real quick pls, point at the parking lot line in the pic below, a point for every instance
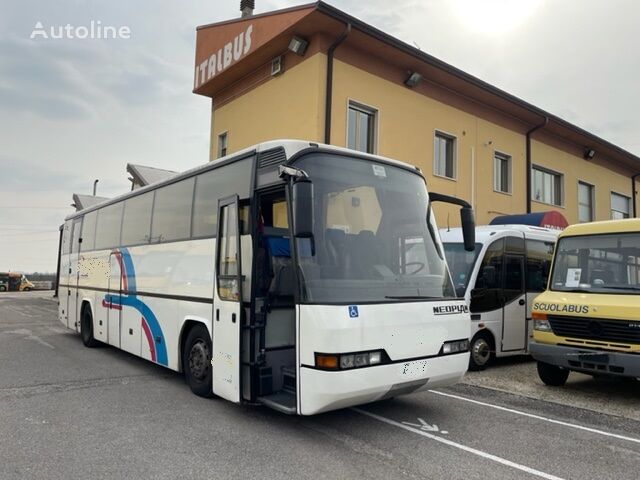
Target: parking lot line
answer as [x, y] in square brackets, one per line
[538, 417]
[460, 446]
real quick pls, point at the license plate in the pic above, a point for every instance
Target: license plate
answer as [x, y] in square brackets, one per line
[594, 357]
[414, 369]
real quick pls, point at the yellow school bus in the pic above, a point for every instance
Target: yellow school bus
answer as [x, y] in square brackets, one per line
[588, 319]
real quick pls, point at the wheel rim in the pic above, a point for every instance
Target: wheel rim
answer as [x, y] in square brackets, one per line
[481, 351]
[199, 358]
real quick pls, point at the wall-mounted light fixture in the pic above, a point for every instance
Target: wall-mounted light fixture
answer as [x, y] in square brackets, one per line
[276, 66]
[298, 45]
[589, 153]
[413, 79]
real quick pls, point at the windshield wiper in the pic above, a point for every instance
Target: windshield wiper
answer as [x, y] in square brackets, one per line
[621, 287]
[400, 297]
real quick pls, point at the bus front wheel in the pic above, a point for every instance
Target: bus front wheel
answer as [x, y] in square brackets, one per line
[196, 361]
[480, 351]
[86, 329]
[552, 375]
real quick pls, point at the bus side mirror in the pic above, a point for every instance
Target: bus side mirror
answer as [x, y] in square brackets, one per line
[302, 208]
[468, 228]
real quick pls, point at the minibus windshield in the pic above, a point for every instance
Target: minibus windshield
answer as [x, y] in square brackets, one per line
[371, 240]
[460, 264]
[598, 264]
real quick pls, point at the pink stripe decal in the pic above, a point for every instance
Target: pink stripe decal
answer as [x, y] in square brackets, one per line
[147, 333]
[111, 306]
[123, 273]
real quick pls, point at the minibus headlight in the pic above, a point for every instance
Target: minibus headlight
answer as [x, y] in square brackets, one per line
[540, 322]
[541, 325]
[457, 346]
[347, 361]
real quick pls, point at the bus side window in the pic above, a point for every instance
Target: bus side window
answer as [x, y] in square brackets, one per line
[539, 256]
[487, 291]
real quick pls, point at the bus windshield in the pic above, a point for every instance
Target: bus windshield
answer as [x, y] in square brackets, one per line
[371, 242]
[598, 264]
[460, 264]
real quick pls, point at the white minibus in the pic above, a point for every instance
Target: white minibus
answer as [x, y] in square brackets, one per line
[499, 280]
[300, 276]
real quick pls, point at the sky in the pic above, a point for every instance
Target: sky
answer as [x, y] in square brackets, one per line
[75, 110]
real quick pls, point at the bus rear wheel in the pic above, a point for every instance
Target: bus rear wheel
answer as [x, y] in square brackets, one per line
[86, 329]
[480, 351]
[196, 361]
[552, 375]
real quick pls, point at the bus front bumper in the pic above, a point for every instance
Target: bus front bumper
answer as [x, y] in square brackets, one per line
[604, 362]
[322, 391]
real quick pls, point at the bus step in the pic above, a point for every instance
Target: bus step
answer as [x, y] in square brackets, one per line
[289, 379]
[284, 402]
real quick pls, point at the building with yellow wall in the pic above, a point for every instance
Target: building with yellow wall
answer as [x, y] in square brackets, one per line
[313, 72]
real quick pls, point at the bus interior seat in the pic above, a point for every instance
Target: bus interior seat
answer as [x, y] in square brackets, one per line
[336, 245]
[363, 253]
[280, 322]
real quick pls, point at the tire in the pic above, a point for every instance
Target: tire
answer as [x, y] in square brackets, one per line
[480, 351]
[552, 375]
[3, 288]
[86, 329]
[28, 289]
[196, 361]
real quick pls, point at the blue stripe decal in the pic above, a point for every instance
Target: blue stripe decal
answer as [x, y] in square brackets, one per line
[152, 321]
[129, 270]
[132, 300]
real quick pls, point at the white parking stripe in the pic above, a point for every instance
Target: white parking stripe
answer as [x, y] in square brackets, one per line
[538, 417]
[459, 446]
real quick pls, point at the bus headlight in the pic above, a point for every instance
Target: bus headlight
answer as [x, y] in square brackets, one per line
[456, 346]
[540, 322]
[347, 361]
[541, 325]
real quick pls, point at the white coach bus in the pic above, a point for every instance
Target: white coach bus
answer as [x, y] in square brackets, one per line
[198, 273]
[499, 279]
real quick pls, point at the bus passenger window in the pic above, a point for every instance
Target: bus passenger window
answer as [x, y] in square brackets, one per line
[539, 256]
[486, 295]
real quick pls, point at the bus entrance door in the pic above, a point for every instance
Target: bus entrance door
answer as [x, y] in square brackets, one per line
[72, 298]
[227, 306]
[514, 311]
[114, 301]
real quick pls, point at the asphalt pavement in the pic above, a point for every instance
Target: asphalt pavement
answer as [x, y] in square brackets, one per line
[71, 412]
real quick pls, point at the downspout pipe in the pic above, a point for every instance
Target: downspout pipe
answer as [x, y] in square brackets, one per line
[329, 86]
[528, 159]
[633, 194]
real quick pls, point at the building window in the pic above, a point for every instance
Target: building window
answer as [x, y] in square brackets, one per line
[361, 128]
[620, 206]
[546, 186]
[222, 144]
[501, 172]
[585, 202]
[444, 155]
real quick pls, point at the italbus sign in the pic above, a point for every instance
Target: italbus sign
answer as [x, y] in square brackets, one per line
[231, 52]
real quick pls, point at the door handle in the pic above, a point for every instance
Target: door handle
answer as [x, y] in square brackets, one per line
[521, 302]
[217, 314]
[233, 318]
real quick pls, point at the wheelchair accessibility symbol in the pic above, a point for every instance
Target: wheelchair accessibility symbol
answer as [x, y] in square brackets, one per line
[353, 311]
